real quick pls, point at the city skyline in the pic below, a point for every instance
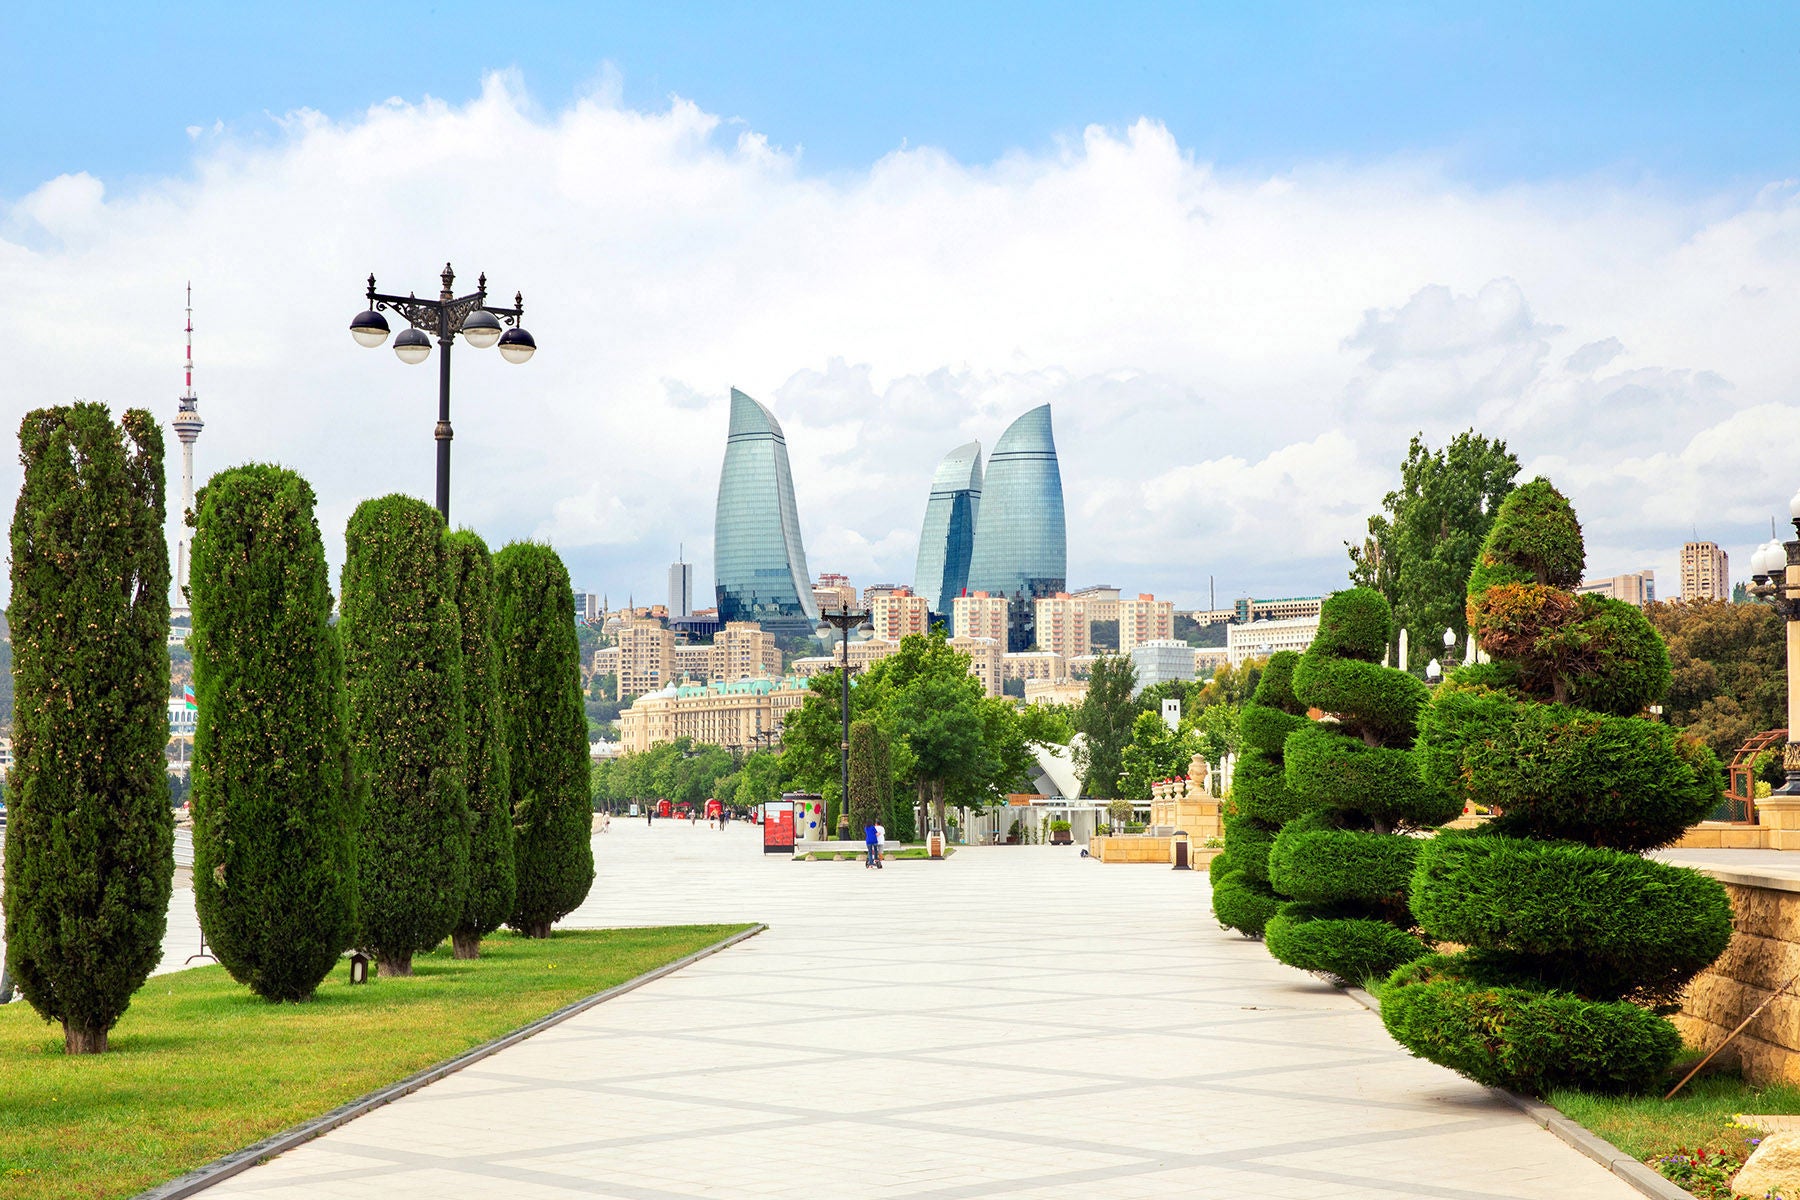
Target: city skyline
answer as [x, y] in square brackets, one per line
[1238, 345]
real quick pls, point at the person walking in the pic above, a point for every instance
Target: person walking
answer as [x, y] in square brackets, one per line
[649, 814]
[880, 840]
[871, 850]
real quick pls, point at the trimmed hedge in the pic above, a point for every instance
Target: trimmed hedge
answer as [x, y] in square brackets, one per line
[493, 880]
[1378, 781]
[1248, 842]
[1313, 861]
[1263, 728]
[274, 809]
[1260, 791]
[1447, 1010]
[1220, 866]
[1364, 696]
[1243, 904]
[1340, 942]
[1565, 773]
[1629, 927]
[1275, 686]
[1541, 542]
[1355, 627]
[1259, 803]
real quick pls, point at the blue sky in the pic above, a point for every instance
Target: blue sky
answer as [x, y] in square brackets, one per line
[1675, 94]
[1246, 251]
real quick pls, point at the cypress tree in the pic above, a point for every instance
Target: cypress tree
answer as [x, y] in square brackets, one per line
[865, 782]
[274, 826]
[546, 735]
[1259, 803]
[492, 883]
[899, 816]
[90, 834]
[1574, 941]
[1346, 860]
[403, 676]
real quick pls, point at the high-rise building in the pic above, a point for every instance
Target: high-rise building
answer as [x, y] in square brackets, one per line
[834, 592]
[948, 537]
[1160, 660]
[646, 656]
[979, 615]
[898, 613]
[1062, 624]
[1637, 588]
[1145, 619]
[1101, 601]
[187, 426]
[1705, 572]
[985, 660]
[681, 590]
[758, 559]
[1021, 541]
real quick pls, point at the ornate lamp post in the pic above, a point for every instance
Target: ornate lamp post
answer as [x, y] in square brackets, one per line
[844, 619]
[448, 315]
[1775, 571]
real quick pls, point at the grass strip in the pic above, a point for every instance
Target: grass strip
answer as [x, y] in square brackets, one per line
[199, 1067]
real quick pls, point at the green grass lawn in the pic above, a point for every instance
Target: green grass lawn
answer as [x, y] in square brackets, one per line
[199, 1067]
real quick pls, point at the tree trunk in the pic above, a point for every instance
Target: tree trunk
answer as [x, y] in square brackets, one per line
[937, 805]
[537, 929]
[83, 1041]
[398, 966]
[466, 945]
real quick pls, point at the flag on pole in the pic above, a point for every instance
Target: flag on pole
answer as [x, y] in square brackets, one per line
[187, 697]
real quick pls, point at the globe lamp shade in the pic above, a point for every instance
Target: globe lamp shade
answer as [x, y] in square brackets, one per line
[516, 346]
[413, 347]
[369, 329]
[1794, 507]
[482, 329]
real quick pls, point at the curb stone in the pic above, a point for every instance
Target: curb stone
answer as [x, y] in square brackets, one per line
[220, 1169]
[1595, 1147]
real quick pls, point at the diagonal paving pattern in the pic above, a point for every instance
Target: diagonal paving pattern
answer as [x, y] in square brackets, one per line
[1015, 1022]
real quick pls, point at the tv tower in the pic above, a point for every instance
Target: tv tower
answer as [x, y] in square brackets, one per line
[187, 425]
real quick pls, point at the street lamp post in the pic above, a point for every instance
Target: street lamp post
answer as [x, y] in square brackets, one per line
[1775, 571]
[472, 316]
[844, 619]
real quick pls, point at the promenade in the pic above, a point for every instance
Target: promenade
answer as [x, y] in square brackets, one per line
[1015, 1022]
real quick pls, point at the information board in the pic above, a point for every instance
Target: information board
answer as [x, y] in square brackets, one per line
[778, 827]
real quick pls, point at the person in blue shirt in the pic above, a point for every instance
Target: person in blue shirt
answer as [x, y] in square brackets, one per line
[872, 845]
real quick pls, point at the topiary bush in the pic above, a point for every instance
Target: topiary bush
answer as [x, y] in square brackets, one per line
[1346, 864]
[90, 835]
[546, 733]
[403, 674]
[493, 882]
[1260, 801]
[1571, 934]
[274, 809]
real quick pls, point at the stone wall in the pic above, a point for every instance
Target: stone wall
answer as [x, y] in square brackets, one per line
[1764, 955]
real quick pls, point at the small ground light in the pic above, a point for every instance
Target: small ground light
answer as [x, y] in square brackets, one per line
[359, 967]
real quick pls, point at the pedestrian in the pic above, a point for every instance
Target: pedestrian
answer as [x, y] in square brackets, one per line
[871, 850]
[880, 840]
[649, 814]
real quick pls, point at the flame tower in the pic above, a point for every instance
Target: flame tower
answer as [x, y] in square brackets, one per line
[187, 425]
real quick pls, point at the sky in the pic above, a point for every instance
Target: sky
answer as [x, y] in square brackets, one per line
[1246, 252]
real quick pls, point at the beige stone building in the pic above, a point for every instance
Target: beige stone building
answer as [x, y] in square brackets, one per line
[1208, 659]
[606, 660]
[646, 656]
[1705, 572]
[1637, 588]
[743, 650]
[985, 661]
[1145, 619]
[1055, 691]
[832, 592]
[1034, 664]
[1259, 639]
[729, 714]
[899, 613]
[1063, 624]
[979, 615]
[862, 654]
[1101, 601]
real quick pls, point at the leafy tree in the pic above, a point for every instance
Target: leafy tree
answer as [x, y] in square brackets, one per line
[89, 845]
[493, 881]
[546, 735]
[1105, 718]
[1729, 663]
[1419, 554]
[1155, 752]
[273, 801]
[1345, 860]
[1573, 938]
[1049, 724]
[403, 673]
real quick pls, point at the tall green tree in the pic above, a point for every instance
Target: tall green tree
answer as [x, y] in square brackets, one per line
[403, 672]
[1155, 752]
[546, 735]
[90, 836]
[1421, 548]
[1105, 719]
[273, 801]
[865, 785]
[493, 882]
[1729, 664]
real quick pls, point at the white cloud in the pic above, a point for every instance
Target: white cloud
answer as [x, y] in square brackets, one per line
[1236, 362]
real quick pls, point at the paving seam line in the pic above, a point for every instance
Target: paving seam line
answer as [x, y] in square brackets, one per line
[201, 1178]
[1589, 1143]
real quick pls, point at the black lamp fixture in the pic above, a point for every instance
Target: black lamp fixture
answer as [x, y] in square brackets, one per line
[359, 967]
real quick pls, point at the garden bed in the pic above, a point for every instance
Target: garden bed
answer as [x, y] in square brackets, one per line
[199, 1067]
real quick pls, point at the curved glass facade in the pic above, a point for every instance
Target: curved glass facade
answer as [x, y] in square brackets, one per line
[759, 563]
[1021, 541]
[948, 537]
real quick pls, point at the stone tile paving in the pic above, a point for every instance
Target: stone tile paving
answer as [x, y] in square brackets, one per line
[1014, 1022]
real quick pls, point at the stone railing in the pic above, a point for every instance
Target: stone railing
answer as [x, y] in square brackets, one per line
[1764, 956]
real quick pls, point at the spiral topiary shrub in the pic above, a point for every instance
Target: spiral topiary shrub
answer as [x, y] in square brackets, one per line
[1260, 802]
[1346, 863]
[1571, 934]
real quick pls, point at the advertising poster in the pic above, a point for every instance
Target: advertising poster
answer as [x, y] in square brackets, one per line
[778, 827]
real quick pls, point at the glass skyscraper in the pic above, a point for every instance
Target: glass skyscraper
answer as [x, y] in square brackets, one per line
[1021, 542]
[759, 564]
[948, 537]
